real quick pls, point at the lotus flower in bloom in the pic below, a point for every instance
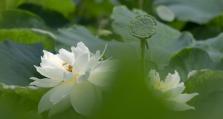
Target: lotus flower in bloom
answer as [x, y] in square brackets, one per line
[171, 89]
[75, 78]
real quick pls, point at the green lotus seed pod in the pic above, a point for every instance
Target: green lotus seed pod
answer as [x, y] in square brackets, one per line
[142, 27]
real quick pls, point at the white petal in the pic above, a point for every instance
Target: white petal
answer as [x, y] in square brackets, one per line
[60, 92]
[50, 59]
[52, 73]
[154, 75]
[60, 106]
[175, 91]
[192, 73]
[92, 63]
[100, 79]
[81, 63]
[66, 56]
[172, 80]
[44, 83]
[80, 50]
[54, 98]
[47, 54]
[171, 89]
[83, 77]
[102, 74]
[182, 107]
[183, 98]
[105, 66]
[85, 98]
[82, 56]
[49, 63]
[45, 103]
[155, 81]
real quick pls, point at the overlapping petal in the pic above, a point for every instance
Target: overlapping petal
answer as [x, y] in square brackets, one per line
[45, 83]
[172, 90]
[73, 76]
[85, 97]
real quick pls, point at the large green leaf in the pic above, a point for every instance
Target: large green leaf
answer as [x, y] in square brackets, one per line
[94, 8]
[26, 36]
[202, 54]
[52, 18]
[17, 62]
[209, 85]
[190, 59]
[122, 17]
[72, 35]
[146, 5]
[162, 45]
[10, 4]
[198, 11]
[20, 19]
[213, 46]
[65, 7]
[19, 102]
[205, 31]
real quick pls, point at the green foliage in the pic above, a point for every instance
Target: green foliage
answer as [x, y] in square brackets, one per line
[65, 7]
[19, 102]
[17, 62]
[208, 84]
[20, 19]
[208, 30]
[94, 8]
[130, 97]
[26, 36]
[122, 17]
[164, 43]
[72, 35]
[190, 59]
[27, 25]
[213, 46]
[146, 5]
[9, 4]
[52, 18]
[198, 11]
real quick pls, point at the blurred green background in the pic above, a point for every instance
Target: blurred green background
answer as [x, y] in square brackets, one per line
[188, 37]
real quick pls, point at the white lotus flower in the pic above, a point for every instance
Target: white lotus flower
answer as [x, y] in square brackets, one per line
[172, 90]
[74, 78]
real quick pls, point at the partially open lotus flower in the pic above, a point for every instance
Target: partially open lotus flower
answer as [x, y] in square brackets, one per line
[75, 78]
[171, 89]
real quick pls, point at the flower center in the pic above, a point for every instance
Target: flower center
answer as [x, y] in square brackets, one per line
[68, 67]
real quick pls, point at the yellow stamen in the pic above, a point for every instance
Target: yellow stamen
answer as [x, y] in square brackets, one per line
[68, 67]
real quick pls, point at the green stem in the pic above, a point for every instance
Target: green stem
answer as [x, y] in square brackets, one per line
[141, 2]
[143, 45]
